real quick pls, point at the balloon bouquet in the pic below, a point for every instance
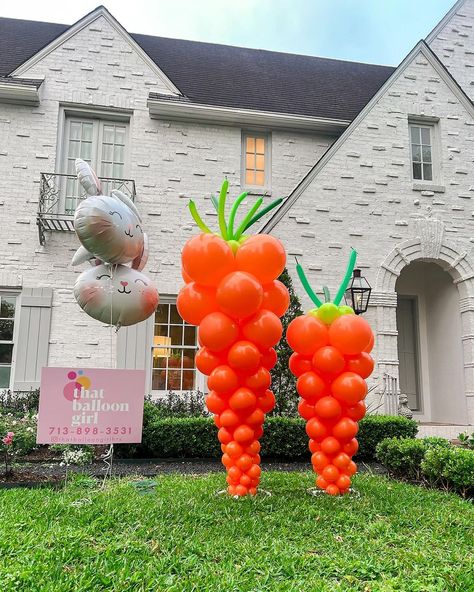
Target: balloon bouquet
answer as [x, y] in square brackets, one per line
[233, 295]
[331, 360]
[109, 228]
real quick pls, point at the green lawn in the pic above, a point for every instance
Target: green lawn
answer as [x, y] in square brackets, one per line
[183, 537]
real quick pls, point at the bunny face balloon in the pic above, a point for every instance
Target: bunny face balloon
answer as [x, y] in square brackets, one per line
[116, 295]
[109, 227]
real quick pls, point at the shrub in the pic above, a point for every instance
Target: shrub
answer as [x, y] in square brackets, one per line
[24, 429]
[451, 468]
[374, 428]
[74, 454]
[19, 403]
[190, 404]
[403, 457]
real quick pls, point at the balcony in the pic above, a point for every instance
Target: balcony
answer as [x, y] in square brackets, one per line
[60, 195]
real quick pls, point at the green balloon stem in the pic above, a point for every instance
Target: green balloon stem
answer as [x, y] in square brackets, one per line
[327, 295]
[233, 212]
[221, 209]
[347, 278]
[215, 203]
[247, 218]
[307, 287]
[265, 210]
[197, 218]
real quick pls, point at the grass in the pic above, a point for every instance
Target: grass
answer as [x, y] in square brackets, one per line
[182, 537]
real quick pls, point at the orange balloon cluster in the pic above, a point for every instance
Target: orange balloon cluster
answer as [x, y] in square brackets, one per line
[331, 362]
[233, 295]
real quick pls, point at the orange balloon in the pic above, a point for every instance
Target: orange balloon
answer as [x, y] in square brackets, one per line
[363, 365]
[234, 450]
[227, 461]
[328, 408]
[298, 364]
[254, 471]
[223, 379]
[244, 462]
[224, 436]
[241, 490]
[186, 277]
[341, 461]
[245, 480]
[234, 473]
[330, 445]
[343, 482]
[239, 295]
[260, 380]
[315, 429]
[328, 360]
[332, 489]
[349, 387]
[351, 447]
[314, 446]
[206, 361]
[345, 429]
[244, 355]
[263, 256]
[310, 386]
[207, 258]
[350, 334]
[264, 329]
[257, 432]
[244, 433]
[217, 331]
[214, 403]
[351, 468]
[242, 400]
[319, 460]
[253, 448]
[229, 419]
[306, 334]
[330, 473]
[195, 302]
[321, 482]
[357, 412]
[370, 347]
[306, 410]
[252, 491]
[231, 490]
[276, 298]
[256, 418]
[269, 358]
[266, 402]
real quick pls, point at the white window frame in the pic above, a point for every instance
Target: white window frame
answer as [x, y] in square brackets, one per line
[266, 136]
[433, 126]
[11, 294]
[200, 383]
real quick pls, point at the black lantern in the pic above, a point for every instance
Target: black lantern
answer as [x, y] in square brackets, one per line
[357, 294]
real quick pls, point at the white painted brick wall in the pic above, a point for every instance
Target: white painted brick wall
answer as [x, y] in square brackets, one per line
[169, 161]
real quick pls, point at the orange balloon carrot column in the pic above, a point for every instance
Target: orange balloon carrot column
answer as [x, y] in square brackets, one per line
[331, 362]
[233, 295]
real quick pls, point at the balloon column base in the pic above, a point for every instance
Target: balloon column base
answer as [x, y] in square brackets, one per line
[316, 491]
[260, 493]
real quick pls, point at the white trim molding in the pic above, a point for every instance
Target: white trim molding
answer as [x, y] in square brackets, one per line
[444, 21]
[87, 20]
[19, 94]
[163, 108]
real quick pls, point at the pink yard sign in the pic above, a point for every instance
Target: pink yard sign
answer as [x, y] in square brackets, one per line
[90, 406]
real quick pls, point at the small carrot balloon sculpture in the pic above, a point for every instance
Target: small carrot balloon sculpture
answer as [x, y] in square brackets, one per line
[331, 361]
[233, 295]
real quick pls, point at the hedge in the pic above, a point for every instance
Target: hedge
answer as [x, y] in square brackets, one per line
[284, 437]
[403, 457]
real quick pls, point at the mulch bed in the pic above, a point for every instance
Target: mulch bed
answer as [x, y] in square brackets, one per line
[42, 469]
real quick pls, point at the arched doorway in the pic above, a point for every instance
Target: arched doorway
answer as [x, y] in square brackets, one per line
[430, 354]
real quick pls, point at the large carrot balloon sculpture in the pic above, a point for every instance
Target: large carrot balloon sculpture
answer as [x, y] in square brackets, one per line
[233, 294]
[331, 362]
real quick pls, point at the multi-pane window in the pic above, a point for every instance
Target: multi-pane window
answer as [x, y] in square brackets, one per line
[174, 350]
[255, 156]
[102, 144]
[422, 152]
[7, 322]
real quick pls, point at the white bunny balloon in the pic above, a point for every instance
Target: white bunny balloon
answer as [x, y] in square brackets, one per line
[116, 294]
[108, 226]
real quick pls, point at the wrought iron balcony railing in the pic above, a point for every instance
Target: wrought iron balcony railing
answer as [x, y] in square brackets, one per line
[60, 195]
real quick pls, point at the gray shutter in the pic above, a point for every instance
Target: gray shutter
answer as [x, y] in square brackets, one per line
[32, 341]
[134, 348]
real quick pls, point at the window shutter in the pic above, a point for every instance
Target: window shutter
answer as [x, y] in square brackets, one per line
[32, 341]
[134, 348]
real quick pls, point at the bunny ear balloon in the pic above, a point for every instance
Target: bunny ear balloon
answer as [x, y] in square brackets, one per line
[109, 228]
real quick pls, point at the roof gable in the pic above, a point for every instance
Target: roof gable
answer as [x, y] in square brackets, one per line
[420, 49]
[87, 21]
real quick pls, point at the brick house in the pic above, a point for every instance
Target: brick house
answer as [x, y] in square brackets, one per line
[373, 157]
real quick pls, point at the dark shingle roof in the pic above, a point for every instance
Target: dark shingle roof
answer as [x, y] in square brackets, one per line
[230, 76]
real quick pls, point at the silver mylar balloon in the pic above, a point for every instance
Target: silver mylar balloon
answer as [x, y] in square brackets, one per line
[116, 294]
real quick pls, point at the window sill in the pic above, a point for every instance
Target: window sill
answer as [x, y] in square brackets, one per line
[260, 192]
[428, 186]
